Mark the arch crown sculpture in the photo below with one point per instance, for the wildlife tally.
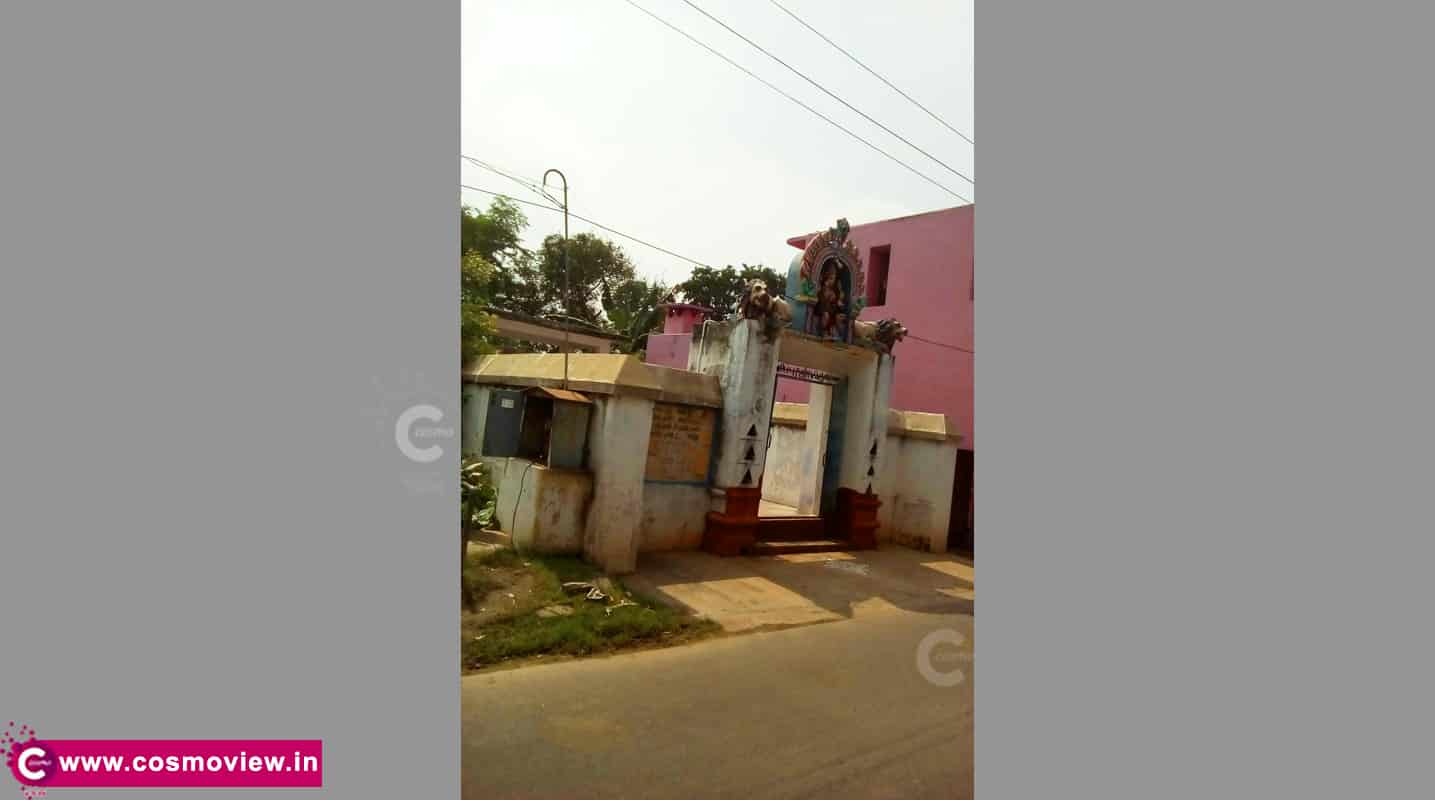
(828, 285)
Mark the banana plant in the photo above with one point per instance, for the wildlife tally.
(479, 495)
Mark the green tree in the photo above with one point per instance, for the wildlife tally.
(476, 326)
(720, 289)
(634, 312)
(595, 268)
(498, 271)
(494, 234)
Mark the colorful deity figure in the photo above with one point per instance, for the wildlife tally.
(826, 283)
(830, 310)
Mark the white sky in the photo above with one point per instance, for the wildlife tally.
(662, 140)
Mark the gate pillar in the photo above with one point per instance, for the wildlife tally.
(869, 394)
(747, 380)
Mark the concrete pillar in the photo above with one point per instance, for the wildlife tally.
(814, 448)
(747, 382)
(869, 394)
(618, 457)
(747, 379)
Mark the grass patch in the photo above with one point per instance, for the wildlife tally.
(592, 627)
(486, 573)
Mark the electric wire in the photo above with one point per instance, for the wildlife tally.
(799, 73)
(874, 73)
(810, 109)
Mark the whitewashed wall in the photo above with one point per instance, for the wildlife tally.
(674, 515)
(541, 508)
(916, 492)
(915, 482)
(475, 415)
(782, 481)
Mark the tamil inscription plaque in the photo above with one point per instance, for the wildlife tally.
(680, 444)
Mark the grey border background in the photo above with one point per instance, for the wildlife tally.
(229, 240)
(1205, 400)
(228, 248)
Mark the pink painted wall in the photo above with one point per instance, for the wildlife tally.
(929, 288)
(683, 318)
(669, 349)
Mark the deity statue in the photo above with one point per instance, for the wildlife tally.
(829, 313)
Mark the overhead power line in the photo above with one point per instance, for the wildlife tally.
(812, 110)
(589, 221)
(535, 186)
(859, 63)
(828, 92)
(941, 344)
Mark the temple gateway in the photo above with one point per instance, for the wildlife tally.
(608, 456)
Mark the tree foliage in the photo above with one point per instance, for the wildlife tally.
(494, 234)
(595, 267)
(604, 290)
(497, 271)
(634, 312)
(484, 238)
(720, 289)
(476, 326)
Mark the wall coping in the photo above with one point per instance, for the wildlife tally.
(906, 424)
(599, 373)
(791, 414)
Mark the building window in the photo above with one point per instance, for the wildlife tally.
(878, 262)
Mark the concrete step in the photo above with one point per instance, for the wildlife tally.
(791, 529)
(774, 548)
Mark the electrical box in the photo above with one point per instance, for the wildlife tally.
(504, 423)
(555, 427)
(547, 426)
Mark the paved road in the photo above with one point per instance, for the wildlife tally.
(831, 710)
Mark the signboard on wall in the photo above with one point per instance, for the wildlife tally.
(806, 374)
(680, 444)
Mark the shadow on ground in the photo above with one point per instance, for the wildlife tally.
(755, 592)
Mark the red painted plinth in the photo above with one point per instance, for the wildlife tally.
(856, 518)
(734, 529)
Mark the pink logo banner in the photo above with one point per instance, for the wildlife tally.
(166, 763)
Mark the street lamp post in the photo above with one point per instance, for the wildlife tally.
(566, 290)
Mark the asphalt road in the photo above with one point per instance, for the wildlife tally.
(832, 710)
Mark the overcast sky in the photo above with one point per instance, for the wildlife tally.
(662, 140)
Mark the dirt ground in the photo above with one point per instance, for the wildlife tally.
(514, 592)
